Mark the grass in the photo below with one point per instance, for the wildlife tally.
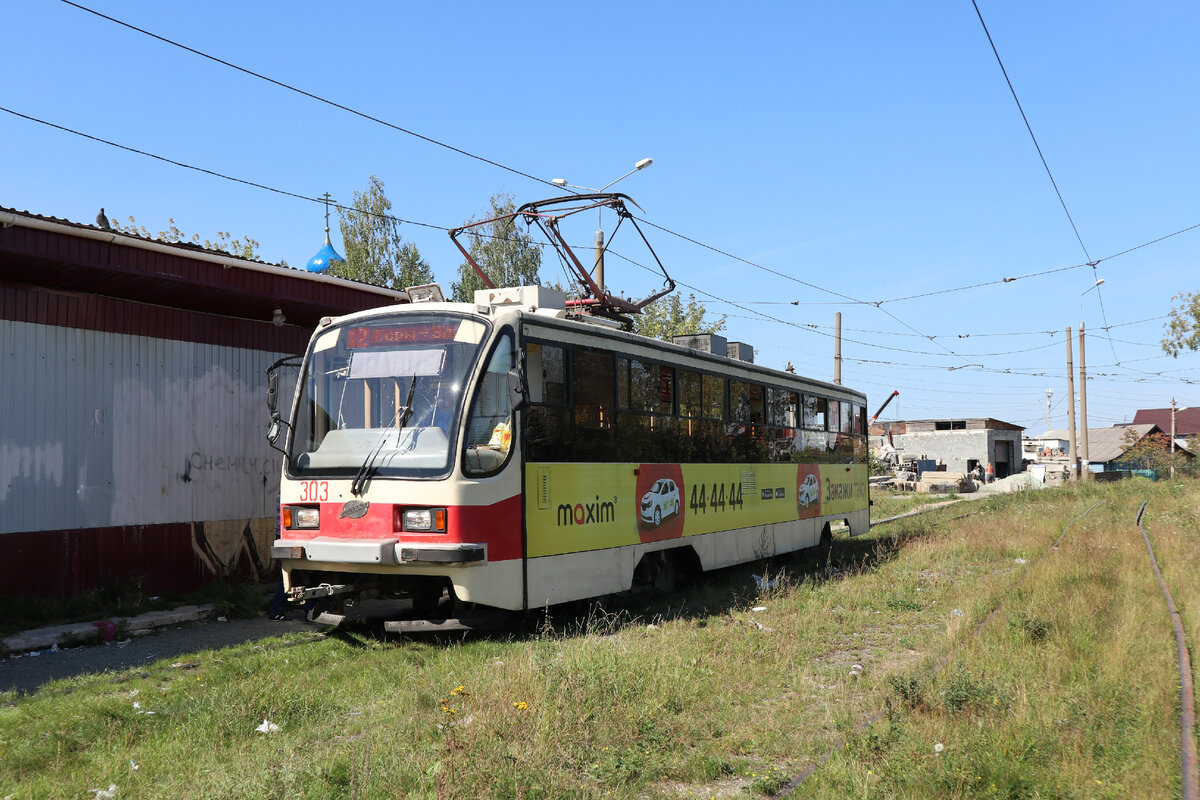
(890, 502)
(1052, 678)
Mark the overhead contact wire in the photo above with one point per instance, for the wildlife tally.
(307, 94)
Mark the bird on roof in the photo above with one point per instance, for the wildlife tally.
(102, 221)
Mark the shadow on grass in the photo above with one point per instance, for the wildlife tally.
(716, 593)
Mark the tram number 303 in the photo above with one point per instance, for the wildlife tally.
(314, 491)
(717, 499)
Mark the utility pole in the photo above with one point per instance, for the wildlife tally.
(1049, 394)
(1073, 453)
(837, 350)
(1085, 472)
(1172, 438)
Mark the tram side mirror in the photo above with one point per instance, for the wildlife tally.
(273, 401)
(518, 394)
(518, 390)
(274, 430)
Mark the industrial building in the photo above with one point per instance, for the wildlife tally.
(956, 445)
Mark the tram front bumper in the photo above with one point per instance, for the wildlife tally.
(390, 551)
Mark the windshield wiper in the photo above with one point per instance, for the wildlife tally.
(399, 420)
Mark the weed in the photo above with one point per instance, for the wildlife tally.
(962, 691)
(903, 604)
(1036, 629)
(911, 689)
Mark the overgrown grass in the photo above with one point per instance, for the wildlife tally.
(869, 659)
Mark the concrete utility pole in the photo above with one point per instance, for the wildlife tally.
(837, 350)
(1085, 472)
(1049, 394)
(1172, 437)
(1073, 454)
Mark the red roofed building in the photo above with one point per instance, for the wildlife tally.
(1187, 420)
(132, 378)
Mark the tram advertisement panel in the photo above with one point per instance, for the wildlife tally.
(575, 507)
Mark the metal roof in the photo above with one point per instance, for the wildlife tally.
(1104, 444)
(59, 254)
(1187, 420)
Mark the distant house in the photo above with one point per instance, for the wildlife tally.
(1106, 446)
(1187, 421)
(132, 380)
(960, 444)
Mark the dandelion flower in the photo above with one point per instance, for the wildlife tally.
(939, 747)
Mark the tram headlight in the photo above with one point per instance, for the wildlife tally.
(301, 517)
(425, 520)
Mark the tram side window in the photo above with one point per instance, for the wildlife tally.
(548, 418)
(815, 410)
(860, 434)
(546, 371)
(814, 442)
(783, 422)
(595, 391)
(489, 423)
(702, 414)
(690, 394)
(646, 427)
(746, 421)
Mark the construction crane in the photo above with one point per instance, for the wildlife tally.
(891, 397)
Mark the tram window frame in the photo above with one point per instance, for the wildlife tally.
(593, 435)
(539, 388)
(494, 382)
(641, 383)
(815, 412)
(548, 424)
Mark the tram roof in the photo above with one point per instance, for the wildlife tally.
(558, 319)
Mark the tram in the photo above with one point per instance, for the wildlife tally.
(520, 452)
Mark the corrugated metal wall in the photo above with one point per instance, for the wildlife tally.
(132, 436)
(109, 429)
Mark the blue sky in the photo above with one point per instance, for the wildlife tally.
(872, 150)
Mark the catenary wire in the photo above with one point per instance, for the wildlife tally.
(707, 294)
(310, 95)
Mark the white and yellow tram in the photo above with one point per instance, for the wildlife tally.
(509, 454)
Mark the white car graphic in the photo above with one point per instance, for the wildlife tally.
(810, 491)
(661, 501)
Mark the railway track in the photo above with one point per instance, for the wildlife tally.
(1190, 771)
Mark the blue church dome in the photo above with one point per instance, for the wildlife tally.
(324, 257)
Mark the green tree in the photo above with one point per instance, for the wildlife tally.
(224, 243)
(374, 250)
(1152, 451)
(1183, 329)
(668, 317)
(509, 256)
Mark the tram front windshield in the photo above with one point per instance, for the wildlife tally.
(384, 395)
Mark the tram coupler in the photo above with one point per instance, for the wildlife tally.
(299, 594)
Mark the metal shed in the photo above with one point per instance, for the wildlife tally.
(132, 377)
